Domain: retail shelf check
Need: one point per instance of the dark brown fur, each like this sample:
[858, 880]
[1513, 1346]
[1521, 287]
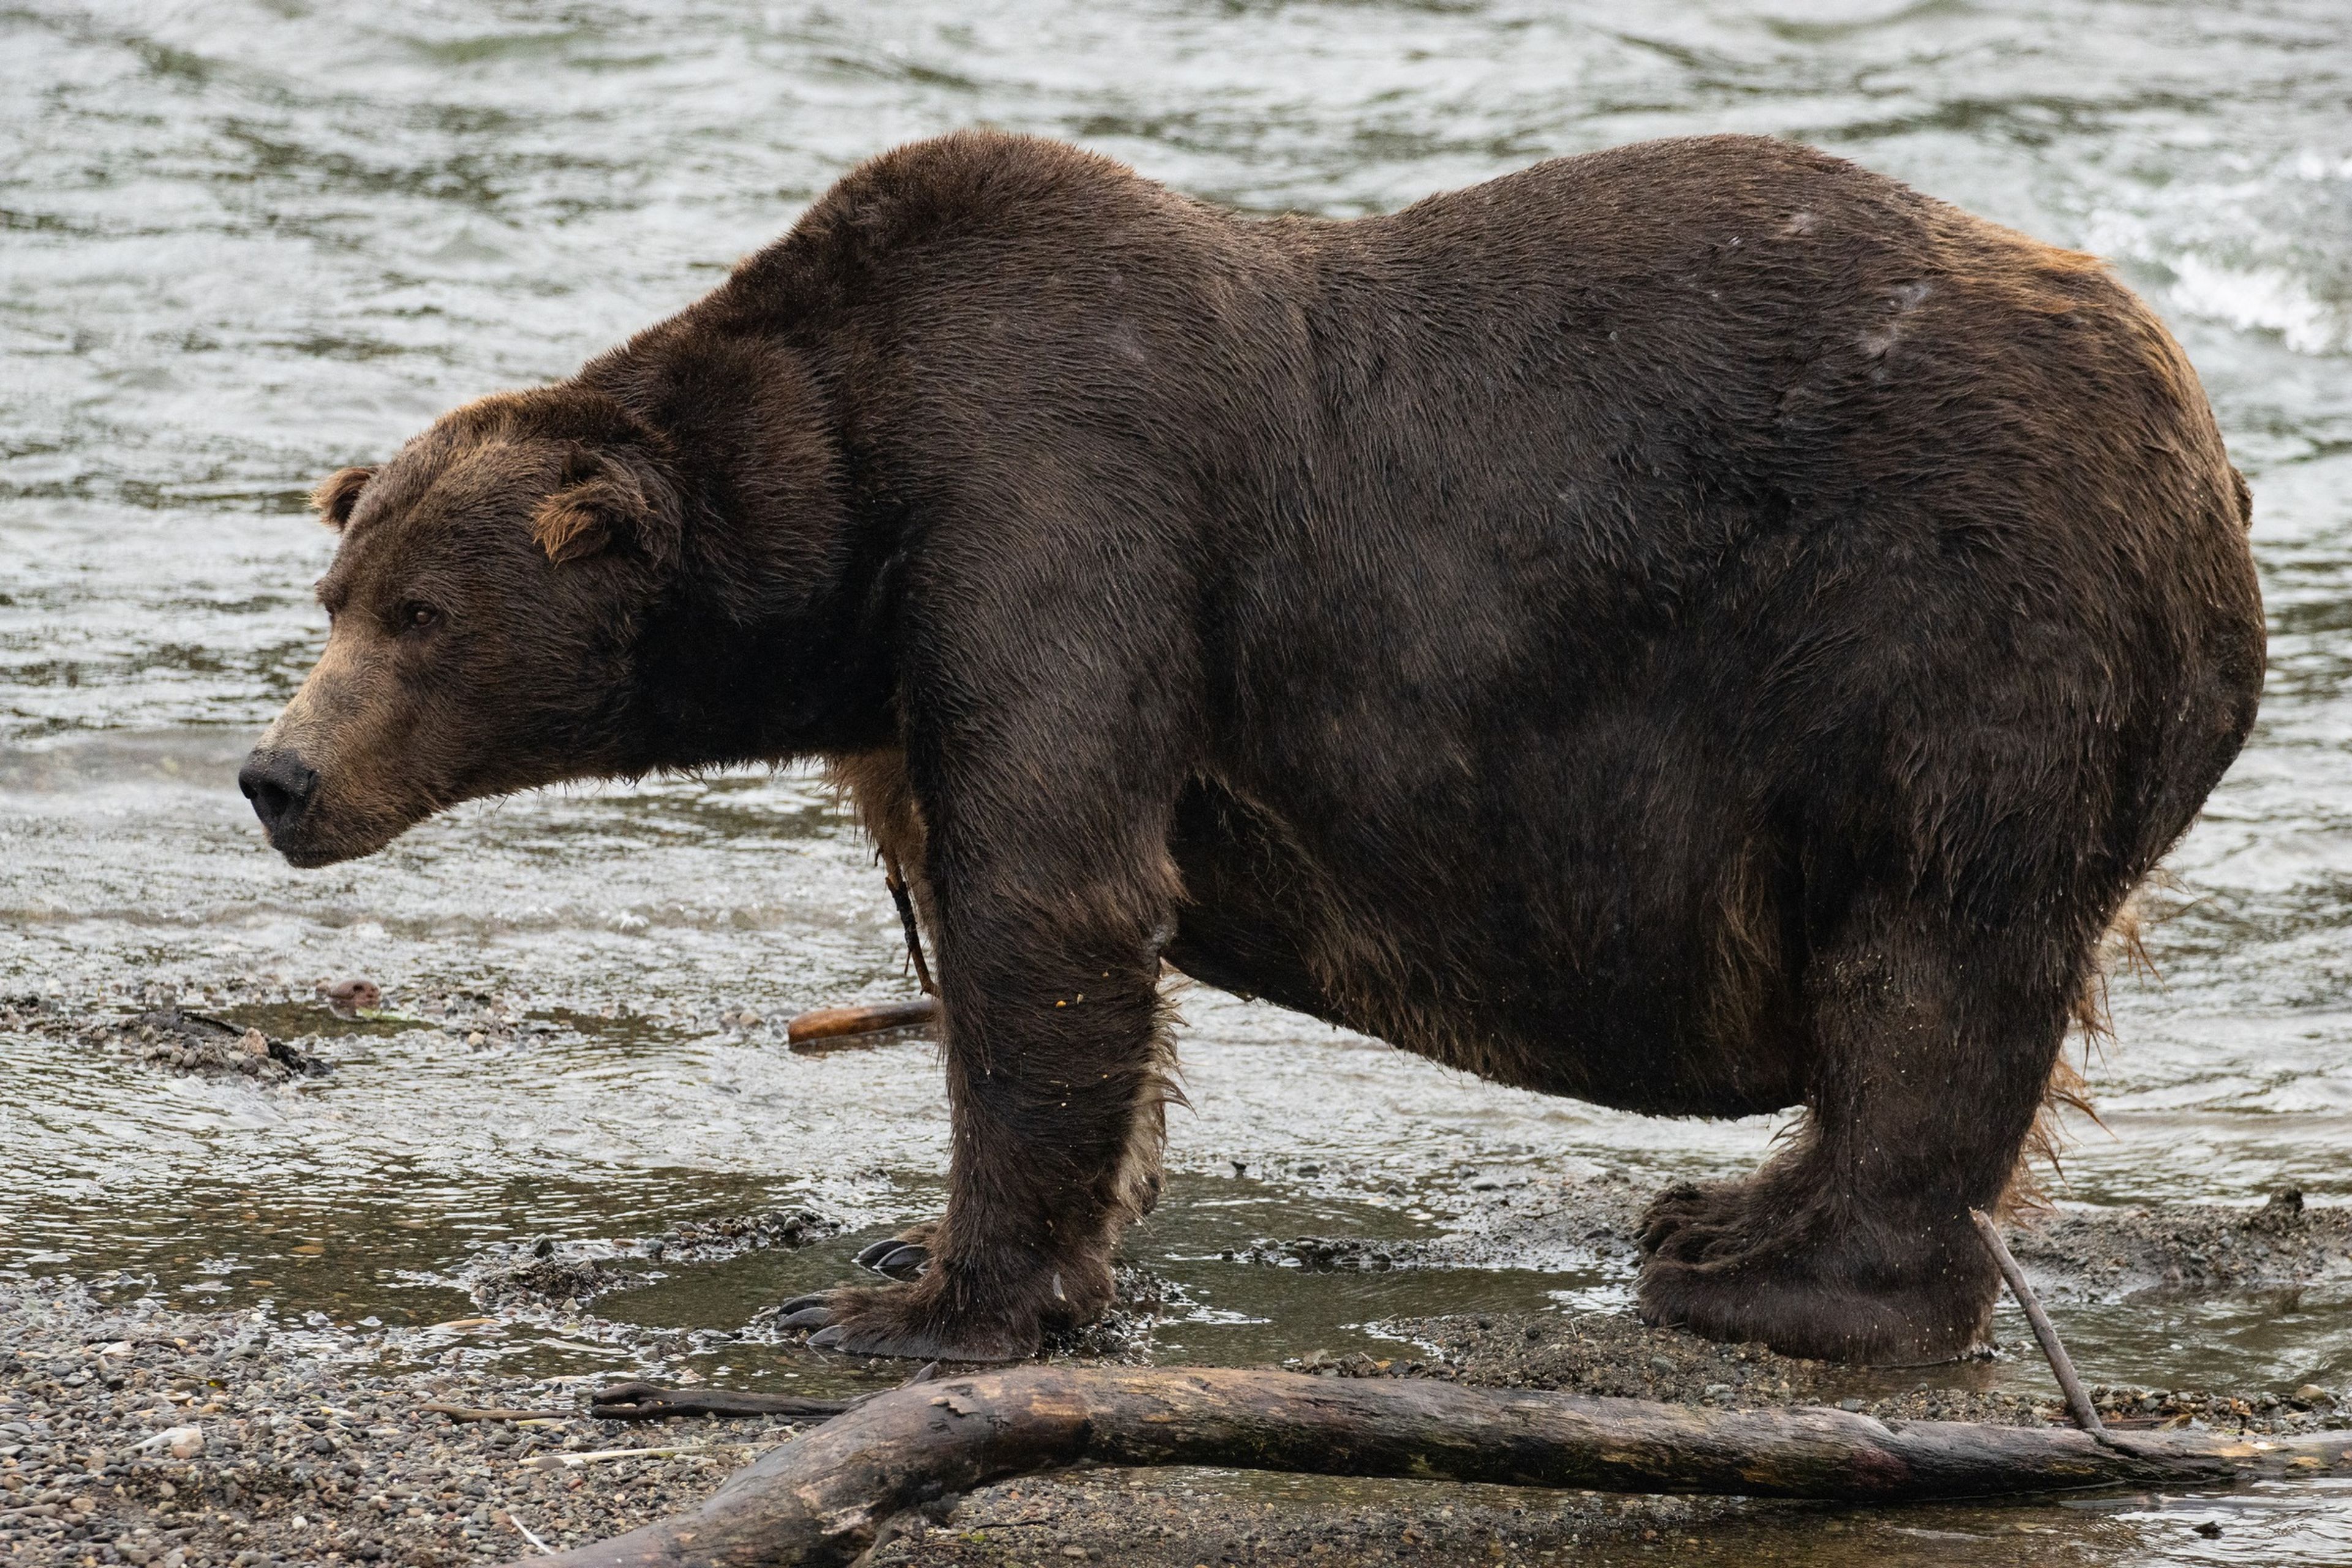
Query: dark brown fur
[1698, 627]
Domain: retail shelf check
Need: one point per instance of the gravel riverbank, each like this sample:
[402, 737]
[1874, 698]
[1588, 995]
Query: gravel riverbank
[137, 1434]
[134, 1432]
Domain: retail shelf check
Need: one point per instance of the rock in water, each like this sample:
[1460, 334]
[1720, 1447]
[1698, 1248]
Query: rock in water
[353, 998]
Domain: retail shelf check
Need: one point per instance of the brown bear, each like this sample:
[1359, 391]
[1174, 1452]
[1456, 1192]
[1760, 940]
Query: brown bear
[1698, 627]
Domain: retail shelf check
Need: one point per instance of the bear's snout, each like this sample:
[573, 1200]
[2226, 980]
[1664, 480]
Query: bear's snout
[280, 785]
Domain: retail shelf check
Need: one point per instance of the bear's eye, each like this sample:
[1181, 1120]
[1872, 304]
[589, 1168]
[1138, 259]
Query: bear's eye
[417, 617]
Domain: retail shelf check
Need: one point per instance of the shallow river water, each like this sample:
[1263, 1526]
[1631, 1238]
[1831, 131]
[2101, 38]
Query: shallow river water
[242, 245]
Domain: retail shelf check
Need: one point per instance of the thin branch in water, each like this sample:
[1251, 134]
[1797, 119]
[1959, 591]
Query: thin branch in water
[2062, 1365]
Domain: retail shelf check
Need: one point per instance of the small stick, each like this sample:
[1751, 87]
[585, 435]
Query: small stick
[896, 881]
[641, 1401]
[2078, 1399]
[573, 1461]
[477, 1412]
[830, 1023]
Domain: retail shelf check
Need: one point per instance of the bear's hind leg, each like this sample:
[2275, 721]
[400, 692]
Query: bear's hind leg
[1934, 1047]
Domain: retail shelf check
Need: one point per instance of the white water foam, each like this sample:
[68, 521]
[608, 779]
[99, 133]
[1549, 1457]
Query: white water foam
[2262, 299]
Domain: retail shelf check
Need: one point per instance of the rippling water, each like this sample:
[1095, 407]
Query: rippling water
[246, 244]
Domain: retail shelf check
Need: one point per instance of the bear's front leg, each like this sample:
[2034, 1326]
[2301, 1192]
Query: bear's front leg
[1049, 695]
[1055, 1068]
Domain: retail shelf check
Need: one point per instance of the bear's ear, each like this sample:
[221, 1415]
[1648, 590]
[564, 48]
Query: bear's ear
[609, 505]
[338, 493]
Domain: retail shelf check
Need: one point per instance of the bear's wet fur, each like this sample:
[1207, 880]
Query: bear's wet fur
[1698, 627]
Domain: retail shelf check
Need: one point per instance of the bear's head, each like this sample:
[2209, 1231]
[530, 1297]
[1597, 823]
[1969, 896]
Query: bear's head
[491, 587]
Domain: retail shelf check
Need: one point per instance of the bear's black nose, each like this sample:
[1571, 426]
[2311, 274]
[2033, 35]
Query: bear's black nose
[278, 785]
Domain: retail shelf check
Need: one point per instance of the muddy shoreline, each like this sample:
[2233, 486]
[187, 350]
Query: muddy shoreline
[135, 1431]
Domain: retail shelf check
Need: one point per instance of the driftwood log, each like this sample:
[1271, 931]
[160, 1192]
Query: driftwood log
[826, 1497]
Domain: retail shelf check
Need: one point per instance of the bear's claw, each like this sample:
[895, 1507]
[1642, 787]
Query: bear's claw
[870, 1256]
[815, 1317]
[907, 1261]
